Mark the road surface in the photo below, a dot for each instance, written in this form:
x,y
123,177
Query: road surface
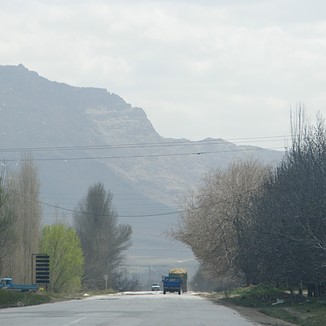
x,y
128,309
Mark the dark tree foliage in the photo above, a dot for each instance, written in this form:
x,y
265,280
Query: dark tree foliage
x,y
267,225
288,236
103,240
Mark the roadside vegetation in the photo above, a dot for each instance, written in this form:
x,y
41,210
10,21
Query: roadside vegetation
x,y
87,256
277,303
18,299
252,224
9,298
102,239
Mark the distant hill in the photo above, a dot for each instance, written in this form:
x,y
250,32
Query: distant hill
x,y
79,136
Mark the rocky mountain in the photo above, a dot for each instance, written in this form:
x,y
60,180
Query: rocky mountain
x,y
80,136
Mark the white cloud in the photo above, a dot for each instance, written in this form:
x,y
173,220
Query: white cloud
x,y
227,69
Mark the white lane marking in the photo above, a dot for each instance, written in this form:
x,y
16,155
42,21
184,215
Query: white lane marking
x,y
75,321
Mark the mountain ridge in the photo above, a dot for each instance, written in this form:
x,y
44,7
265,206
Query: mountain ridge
x,y
82,135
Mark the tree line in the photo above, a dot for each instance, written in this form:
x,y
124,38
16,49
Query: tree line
x,y
85,255
258,224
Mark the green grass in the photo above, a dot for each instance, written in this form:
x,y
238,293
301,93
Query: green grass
x,y
296,309
9,298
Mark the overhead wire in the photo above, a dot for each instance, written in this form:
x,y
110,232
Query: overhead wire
x,y
128,146
141,155
174,143
76,211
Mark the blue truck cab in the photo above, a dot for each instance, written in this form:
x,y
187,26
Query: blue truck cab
x,y
8,283
171,284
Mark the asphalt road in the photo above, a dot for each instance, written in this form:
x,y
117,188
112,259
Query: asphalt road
x,y
128,309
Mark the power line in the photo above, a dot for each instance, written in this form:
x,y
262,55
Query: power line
x,y
139,145
76,211
142,145
142,155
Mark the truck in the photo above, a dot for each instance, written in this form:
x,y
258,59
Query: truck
x,y
171,284
8,283
182,274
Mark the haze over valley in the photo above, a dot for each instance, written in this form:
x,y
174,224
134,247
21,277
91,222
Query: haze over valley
x,y
80,136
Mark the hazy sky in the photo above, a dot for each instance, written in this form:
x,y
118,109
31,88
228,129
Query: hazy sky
x,y
221,68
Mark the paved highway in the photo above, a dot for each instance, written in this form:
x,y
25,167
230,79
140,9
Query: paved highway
x,y
128,309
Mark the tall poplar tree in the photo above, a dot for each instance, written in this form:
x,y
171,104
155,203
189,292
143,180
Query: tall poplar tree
x,y
6,228
23,188
103,239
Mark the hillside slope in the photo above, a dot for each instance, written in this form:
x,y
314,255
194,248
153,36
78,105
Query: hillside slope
x,y
79,136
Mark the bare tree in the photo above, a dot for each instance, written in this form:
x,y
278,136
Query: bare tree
x,y
6,228
23,187
103,240
214,217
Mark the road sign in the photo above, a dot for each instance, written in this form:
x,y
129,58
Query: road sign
x,y
42,269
